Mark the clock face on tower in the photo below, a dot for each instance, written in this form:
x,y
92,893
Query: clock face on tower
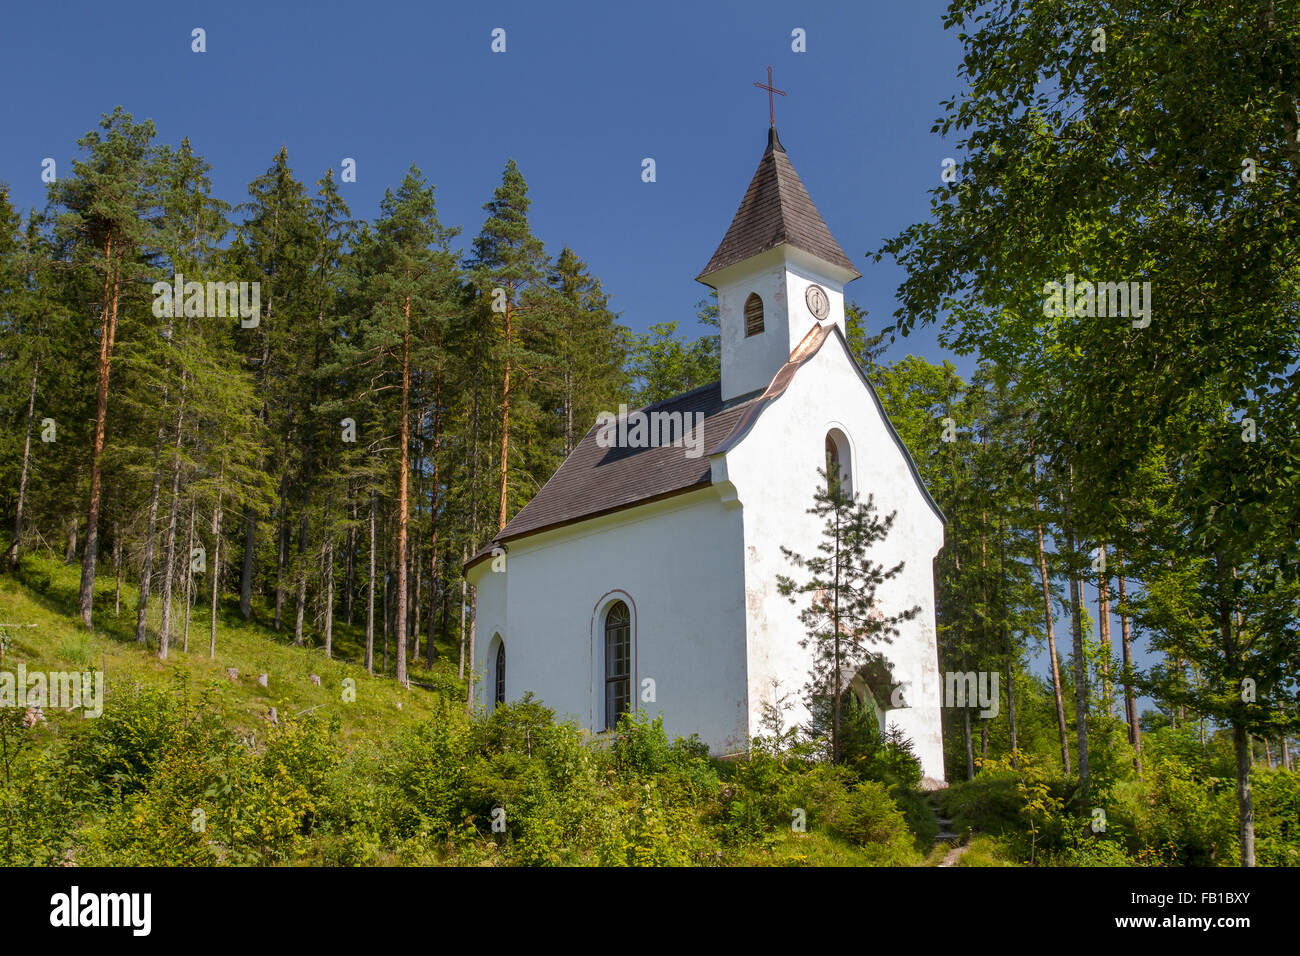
x,y
818,302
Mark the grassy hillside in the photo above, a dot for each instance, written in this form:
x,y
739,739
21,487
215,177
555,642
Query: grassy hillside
x,y
185,768
38,613
401,775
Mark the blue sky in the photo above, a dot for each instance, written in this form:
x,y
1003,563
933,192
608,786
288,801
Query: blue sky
x,y
582,94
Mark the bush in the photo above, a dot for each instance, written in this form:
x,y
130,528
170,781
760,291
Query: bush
x,y
40,796
1177,817
858,811
918,814
1277,817
753,802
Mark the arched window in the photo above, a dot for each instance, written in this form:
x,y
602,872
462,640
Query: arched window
x,y
499,690
838,474
753,315
832,465
618,663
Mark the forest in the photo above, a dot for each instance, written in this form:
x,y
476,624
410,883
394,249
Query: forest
x,y
299,489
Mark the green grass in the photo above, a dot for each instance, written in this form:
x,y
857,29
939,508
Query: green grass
x,y
38,610
44,632
984,851
812,849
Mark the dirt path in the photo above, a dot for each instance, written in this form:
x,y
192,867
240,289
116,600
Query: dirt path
x,y
954,855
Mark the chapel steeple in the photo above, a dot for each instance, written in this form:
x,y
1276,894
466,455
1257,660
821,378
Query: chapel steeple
x,y
778,271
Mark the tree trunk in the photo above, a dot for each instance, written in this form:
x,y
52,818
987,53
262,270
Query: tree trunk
x,y
505,425
403,479
350,578
70,555
282,553
117,569
108,329
1080,668
416,606
1245,807
165,625
469,701
189,581
329,582
1008,649
304,529
300,601
464,601
568,408
1103,629
250,519
250,553
835,623
434,584
388,599
444,605
370,595
1050,632
970,744
216,575
1130,699
26,468
417,584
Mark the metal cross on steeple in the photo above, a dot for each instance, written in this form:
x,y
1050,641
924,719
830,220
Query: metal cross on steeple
x,y
771,109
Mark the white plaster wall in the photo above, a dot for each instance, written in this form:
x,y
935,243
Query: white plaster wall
x,y
679,563
749,362
781,278
774,471
801,272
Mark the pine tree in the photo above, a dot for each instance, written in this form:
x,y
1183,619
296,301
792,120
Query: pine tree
x,y
412,291
107,205
507,269
277,246
843,618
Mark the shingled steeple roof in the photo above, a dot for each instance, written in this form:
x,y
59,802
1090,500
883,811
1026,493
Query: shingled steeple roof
x,y
776,210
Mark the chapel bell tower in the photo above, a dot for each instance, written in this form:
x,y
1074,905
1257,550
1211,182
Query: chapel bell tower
x,y
778,272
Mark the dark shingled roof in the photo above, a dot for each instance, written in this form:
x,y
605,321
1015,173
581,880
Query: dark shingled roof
x,y
776,209
594,480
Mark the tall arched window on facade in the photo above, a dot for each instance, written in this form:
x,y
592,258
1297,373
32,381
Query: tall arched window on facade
x,y
832,466
753,315
839,478
499,690
618,663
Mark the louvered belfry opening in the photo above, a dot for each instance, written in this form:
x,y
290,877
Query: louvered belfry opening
x,y
753,315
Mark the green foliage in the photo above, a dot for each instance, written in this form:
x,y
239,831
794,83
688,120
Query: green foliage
x,y
843,622
1179,816
642,747
664,365
1277,816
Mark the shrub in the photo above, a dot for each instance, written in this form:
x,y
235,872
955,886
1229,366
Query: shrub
x,y
1277,817
919,815
753,801
1178,818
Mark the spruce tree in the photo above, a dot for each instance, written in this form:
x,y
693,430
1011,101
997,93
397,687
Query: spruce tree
x,y
844,620
107,216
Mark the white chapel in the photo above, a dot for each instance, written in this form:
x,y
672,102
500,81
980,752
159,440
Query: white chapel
x,y
644,575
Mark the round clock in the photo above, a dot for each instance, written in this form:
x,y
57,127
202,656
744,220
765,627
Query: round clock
x,y
818,302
